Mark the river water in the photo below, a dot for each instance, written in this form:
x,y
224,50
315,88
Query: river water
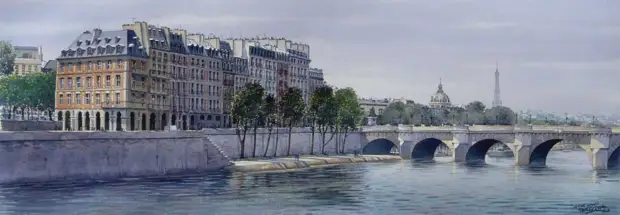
x,y
399,187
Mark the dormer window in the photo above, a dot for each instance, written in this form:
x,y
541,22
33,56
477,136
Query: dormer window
x,y
107,40
79,42
88,42
118,39
90,51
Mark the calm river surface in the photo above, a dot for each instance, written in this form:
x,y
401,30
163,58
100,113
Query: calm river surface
x,y
370,188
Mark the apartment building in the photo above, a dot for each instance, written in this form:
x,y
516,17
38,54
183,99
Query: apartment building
x,y
315,79
170,69
275,63
28,59
102,82
218,61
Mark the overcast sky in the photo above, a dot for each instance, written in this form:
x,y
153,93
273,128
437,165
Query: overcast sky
x,y
556,55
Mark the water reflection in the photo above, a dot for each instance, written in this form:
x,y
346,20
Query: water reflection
x,y
439,187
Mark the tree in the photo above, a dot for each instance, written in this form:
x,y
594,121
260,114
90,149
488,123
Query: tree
x,y
32,92
394,114
292,108
323,104
349,114
245,111
500,116
474,113
269,111
7,58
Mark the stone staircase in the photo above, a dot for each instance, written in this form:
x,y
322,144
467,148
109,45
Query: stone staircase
x,y
216,157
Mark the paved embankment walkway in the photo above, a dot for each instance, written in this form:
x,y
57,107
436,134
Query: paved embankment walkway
x,y
289,163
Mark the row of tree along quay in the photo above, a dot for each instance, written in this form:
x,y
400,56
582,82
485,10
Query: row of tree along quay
x,y
330,114
474,113
26,93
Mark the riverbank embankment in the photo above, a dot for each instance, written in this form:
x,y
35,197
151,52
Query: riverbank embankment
x,y
290,163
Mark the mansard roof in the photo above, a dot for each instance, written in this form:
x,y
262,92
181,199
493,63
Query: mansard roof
x,y
99,43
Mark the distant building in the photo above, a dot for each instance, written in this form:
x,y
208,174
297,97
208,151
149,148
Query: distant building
x,y
379,104
28,59
440,99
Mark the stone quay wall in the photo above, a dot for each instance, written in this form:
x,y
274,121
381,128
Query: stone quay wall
x,y
29,125
301,139
55,156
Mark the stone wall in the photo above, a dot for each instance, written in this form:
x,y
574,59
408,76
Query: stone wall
x,y
300,142
51,156
29,125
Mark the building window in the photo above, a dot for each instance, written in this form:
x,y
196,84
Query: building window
x,y
89,66
60,99
97,98
61,68
70,83
99,65
98,81
68,99
86,98
109,65
78,82
107,80
60,83
77,99
118,98
118,80
119,64
107,98
79,67
88,82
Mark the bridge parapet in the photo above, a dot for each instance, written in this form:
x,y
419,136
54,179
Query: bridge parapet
x,y
378,128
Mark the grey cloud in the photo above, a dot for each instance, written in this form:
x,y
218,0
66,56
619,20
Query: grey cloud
x,y
559,55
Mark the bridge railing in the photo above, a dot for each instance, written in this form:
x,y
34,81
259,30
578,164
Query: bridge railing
x,y
405,128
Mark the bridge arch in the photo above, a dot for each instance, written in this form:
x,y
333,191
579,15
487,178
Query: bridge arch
x,y
614,159
380,146
425,149
478,151
538,157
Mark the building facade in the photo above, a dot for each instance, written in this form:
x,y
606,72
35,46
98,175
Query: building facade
x,y
28,59
315,79
99,79
145,77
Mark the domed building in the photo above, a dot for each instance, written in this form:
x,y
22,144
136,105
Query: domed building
x,y
440,99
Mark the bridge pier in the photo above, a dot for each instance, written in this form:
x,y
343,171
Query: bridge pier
x,y
522,148
460,152
461,145
600,158
405,149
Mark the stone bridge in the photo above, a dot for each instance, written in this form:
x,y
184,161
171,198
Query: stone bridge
x,y
530,144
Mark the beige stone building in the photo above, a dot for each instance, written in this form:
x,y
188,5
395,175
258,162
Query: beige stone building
x,y
28,59
103,83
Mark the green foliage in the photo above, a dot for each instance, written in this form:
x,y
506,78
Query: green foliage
x,y
292,107
349,112
32,91
324,108
500,116
246,111
7,58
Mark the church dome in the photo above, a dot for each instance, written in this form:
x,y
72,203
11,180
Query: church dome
x,y
440,99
